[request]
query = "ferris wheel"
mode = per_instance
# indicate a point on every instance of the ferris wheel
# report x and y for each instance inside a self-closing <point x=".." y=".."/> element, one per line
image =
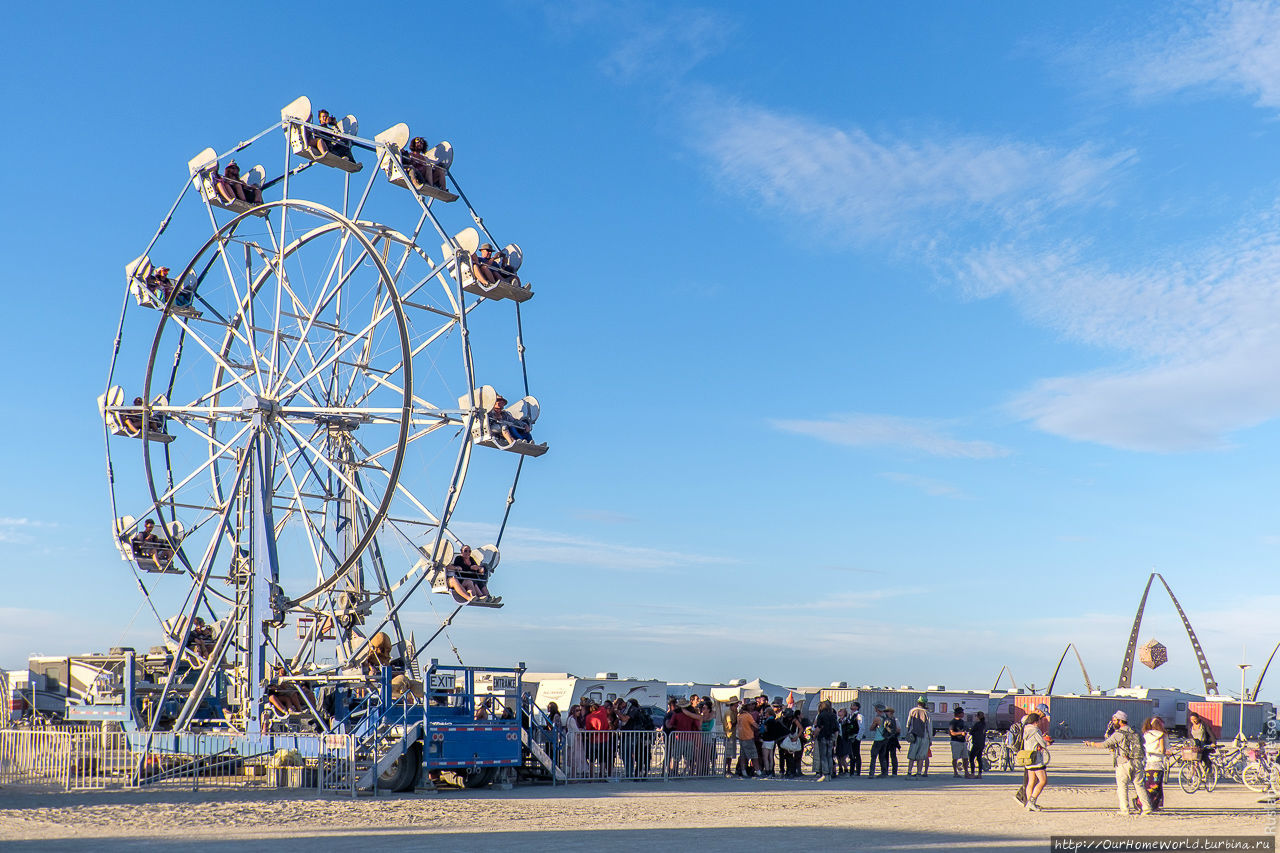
<point x="309" y="364"/>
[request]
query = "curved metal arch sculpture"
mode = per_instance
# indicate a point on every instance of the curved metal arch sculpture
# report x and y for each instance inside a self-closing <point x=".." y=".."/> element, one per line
<point x="995" y="687"/>
<point x="1126" y="668"/>
<point x="1088" y="685"/>
<point x="1253" y="696"/>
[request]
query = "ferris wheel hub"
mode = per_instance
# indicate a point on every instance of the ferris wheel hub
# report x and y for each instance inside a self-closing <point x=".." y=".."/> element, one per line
<point x="265" y="408"/>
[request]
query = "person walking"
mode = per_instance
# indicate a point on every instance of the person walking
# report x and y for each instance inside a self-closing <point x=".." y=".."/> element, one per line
<point x="1038" y="761"/>
<point x="919" y="736"/>
<point x="1127" y="756"/>
<point x="977" y="741"/>
<point x="825" y="728"/>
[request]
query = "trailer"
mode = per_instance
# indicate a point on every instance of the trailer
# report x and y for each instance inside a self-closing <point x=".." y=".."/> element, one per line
<point x="1168" y="703"/>
<point x="1222" y="713"/>
<point x="567" y="690"/>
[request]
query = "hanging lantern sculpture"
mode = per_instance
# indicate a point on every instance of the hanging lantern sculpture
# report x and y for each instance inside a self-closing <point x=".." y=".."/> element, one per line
<point x="1153" y="654"/>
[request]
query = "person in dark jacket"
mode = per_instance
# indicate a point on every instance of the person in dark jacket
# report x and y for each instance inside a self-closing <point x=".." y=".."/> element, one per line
<point x="825" y="728"/>
<point x="977" y="742"/>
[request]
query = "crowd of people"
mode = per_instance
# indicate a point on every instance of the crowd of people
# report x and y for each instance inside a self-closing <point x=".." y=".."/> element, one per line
<point x="760" y="739"/>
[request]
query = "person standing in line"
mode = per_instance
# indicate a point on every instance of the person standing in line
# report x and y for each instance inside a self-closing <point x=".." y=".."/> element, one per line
<point x="843" y="747"/>
<point x="878" y="746"/>
<point x="919" y="736"/>
<point x="730" y="723"/>
<point x="892" y="731"/>
<point x="1037" y="770"/>
<point x="959" y="749"/>
<point x="746" y="732"/>
<point x="825" y="728"/>
<point x="855" y="739"/>
<point x="1155" y="743"/>
<point x="1127" y="755"/>
<point x="977" y="741"/>
<point x="769" y="732"/>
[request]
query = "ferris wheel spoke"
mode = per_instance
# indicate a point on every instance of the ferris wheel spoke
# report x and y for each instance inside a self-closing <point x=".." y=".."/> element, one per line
<point x="323" y="301"/>
<point x="309" y="527"/>
<point x="371" y="461"/>
<point x="337" y="472"/>
<point x="329" y="360"/>
<point x="414" y="353"/>
<point x="222" y="362"/>
<point x="242" y="305"/>
<point x="224" y="450"/>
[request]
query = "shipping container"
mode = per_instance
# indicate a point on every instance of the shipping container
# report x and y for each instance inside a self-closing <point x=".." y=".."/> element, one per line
<point x="1084" y="716"/>
<point x="1223" y="716"/>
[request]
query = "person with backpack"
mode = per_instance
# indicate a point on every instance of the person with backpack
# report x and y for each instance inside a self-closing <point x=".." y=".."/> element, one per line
<point x="844" y="743"/>
<point x="919" y="736"/>
<point x="855" y="738"/>
<point x="1127" y="754"/>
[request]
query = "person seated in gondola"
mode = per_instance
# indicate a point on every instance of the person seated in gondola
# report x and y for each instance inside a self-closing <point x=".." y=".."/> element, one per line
<point x="503" y="423"/>
<point x="131" y="421"/>
<point x="146" y="542"/>
<point x="159" y="282"/>
<point x="201" y="639"/>
<point x="467" y="578"/>
<point x="230" y="187"/>
<point x="285" y="697"/>
<point x="486" y="266"/>
<point x="424" y="171"/>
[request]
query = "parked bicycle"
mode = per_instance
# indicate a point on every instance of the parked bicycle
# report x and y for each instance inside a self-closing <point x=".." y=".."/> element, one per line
<point x="999" y="755"/>
<point x="1194" y="773"/>
<point x="1062" y="731"/>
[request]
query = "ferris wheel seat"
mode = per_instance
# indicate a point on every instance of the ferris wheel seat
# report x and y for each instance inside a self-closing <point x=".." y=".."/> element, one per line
<point x="524" y="448"/>
<point x="511" y="289"/>
<point x="127" y="421"/>
<point x="153" y="557"/>
<point x="457" y="259"/>
<point x="394" y="142"/>
<point x="149" y="295"/>
<point x="203" y="169"/>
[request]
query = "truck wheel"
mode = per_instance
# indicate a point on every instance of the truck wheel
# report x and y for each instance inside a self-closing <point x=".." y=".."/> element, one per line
<point x="402" y="775"/>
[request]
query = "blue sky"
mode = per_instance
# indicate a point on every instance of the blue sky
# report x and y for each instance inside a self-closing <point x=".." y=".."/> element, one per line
<point x="888" y="344"/>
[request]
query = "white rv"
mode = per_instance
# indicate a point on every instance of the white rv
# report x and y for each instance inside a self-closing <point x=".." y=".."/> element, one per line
<point x="1169" y="703"/>
<point x="566" y="690"/>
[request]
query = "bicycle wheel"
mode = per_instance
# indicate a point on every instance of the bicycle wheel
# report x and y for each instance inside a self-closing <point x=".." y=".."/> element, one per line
<point x="1256" y="777"/>
<point x="1189" y="776"/>
<point x="994" y="753"/>
<point x="1211" y="775"/>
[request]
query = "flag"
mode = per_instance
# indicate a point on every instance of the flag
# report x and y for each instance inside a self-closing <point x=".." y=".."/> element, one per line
<point x="791" y="699"/>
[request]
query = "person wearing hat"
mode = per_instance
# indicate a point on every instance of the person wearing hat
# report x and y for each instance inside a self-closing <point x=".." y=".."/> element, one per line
<point x="855" y="738"/>
<point x="959" y="749"/>
<point x="1129" y="759"/>
<point x="825" y="728"/>
<point x="484" y="265"/>
<point x="919" y="736"/>
<point x="503" y="423"/>
<point x="730" y="724"/>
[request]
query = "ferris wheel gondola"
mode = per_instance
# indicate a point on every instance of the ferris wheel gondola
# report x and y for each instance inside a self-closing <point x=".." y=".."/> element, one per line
<point x="306" y="406"/>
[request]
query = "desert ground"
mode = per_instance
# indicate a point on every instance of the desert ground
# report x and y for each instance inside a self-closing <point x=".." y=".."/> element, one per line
<point x="898" y="814"/>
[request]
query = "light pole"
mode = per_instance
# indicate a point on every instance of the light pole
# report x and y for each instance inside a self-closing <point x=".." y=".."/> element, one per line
<point x="1243" y="667"/>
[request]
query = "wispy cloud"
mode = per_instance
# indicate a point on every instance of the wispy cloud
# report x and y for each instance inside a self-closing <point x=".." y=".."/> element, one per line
<point x="529" y="545"/>
<point x="20" y="531"/>
<point x="931" y="487"/>
<point x="666" y="40"/>
<point x="1197" y="331"/>
<point x="866" y="186"/>
<point x="860" y="430"/>
<point x="1228" y="46"/>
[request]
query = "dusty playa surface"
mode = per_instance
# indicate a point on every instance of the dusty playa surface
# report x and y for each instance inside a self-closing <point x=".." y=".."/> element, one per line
<point x="938" y="813"/>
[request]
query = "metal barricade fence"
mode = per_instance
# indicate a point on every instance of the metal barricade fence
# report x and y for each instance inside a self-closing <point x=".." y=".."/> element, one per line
<point x="83" y="759"/>
<point x="634" y="755"/>
<point x="34" y="757"/>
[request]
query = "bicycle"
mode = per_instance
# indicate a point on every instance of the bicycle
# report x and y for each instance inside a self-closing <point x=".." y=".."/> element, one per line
<point x="1062" y="731"/>
<point x="1194" y="773"/>
<point x="999" y="755"/>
